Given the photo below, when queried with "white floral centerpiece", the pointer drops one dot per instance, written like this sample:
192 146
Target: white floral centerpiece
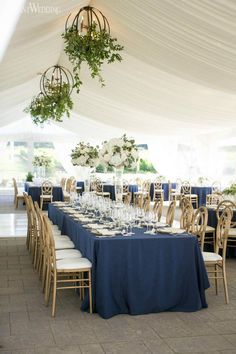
42 160
119 152
85 155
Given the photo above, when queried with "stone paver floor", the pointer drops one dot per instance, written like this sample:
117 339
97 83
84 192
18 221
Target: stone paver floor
26 326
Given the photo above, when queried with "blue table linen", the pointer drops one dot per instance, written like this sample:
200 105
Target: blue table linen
142 273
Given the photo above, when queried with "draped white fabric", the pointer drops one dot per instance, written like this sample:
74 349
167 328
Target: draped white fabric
178 74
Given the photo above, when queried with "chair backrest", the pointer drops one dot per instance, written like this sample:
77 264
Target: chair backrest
157 208
47 188
213 199
15 186
68 183
184 201
127 198
222 206
222 230
170 213
146 186
63 183
73 186
146 203
199 224
186 216
186 188
99 186
39 214
157 184
49 242
125 186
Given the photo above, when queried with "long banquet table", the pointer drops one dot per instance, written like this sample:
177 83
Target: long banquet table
139 274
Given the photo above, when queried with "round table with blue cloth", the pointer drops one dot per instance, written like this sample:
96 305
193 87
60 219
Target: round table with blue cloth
35 192
111 189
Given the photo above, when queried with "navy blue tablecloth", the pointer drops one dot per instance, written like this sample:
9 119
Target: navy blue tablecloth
201 193
35 192
81 184
165 187
142 273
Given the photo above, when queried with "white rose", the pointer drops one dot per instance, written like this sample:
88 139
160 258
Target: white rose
82 160
107 157
116 160
115 142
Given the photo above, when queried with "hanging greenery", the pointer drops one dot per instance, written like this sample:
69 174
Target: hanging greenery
53 106
95 47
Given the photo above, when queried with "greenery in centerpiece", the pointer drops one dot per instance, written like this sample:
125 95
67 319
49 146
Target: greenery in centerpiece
230 190
53 106
95 47
119 152
42 161
85 155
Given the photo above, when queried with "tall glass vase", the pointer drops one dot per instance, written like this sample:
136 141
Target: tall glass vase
87 179
119 184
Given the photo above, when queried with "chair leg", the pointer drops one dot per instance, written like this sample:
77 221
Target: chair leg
225 284
216 280
90 292
16 204
54 295
48 285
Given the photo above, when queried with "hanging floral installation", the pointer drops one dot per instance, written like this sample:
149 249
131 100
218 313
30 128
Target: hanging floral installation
88 40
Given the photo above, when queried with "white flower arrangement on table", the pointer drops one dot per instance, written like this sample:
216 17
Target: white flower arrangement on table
85 155
42 160
121 152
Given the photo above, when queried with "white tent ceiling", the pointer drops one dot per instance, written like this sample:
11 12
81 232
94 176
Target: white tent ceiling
178 74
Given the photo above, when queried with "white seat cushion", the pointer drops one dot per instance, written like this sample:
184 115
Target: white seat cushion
69 253
232 232
211 257
63 244
74 263
209 229
61 237
44 196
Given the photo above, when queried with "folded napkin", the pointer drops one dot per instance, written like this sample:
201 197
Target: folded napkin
96 226
105 232
170 230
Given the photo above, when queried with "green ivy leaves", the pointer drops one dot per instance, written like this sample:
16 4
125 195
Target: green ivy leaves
94 48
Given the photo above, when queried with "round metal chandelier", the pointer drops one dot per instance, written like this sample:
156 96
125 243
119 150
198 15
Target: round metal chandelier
86 18
56 79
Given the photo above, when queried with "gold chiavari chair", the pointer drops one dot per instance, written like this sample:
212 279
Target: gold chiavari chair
158 192
63 183
17 196
175 193
215 262
170 213
99 189
68 273
46 193
198 225
216 196
186 192
186 215
127 198
140 194
222 206
157 209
